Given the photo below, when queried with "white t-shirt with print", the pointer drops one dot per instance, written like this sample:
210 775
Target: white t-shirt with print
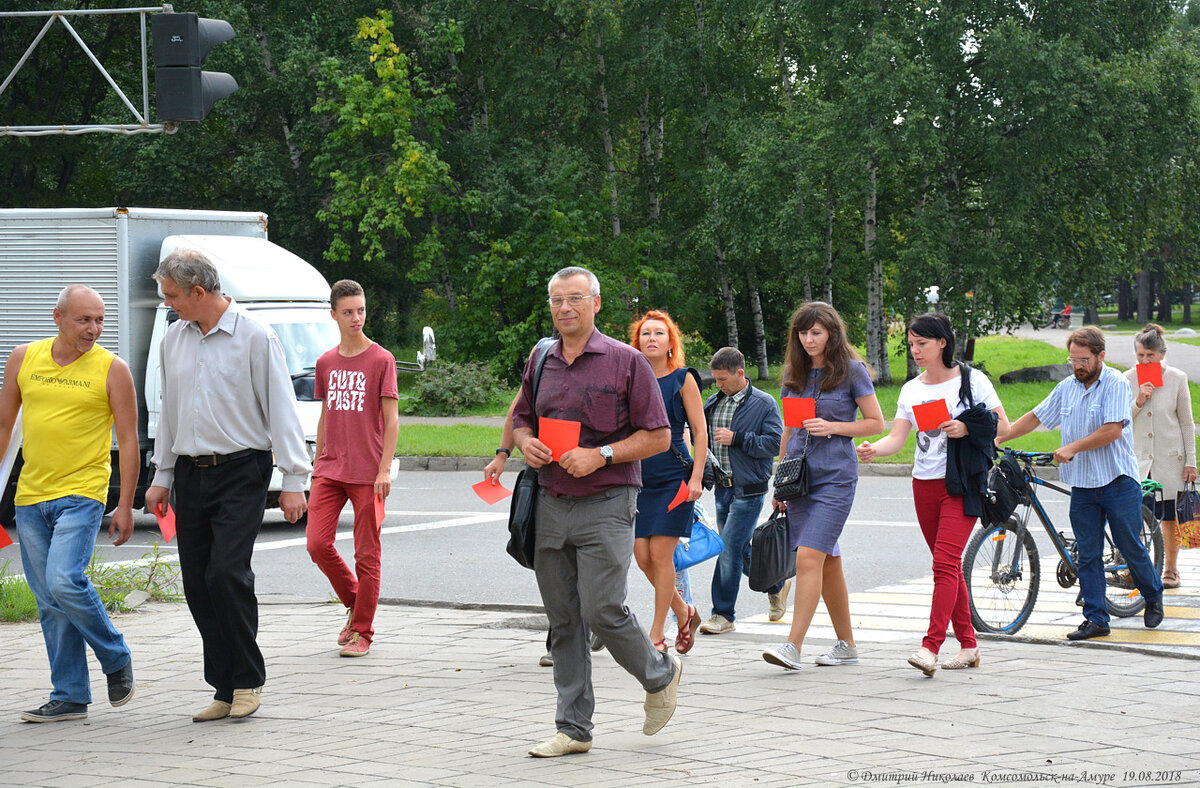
929 462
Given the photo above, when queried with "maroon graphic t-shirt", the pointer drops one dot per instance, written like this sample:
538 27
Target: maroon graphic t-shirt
351 389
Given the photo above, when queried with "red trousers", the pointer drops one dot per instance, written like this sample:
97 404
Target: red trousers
325 503
946 530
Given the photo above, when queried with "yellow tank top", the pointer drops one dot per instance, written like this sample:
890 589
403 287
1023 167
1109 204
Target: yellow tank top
67 423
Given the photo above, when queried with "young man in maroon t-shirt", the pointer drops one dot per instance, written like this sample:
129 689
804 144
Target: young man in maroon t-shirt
356 441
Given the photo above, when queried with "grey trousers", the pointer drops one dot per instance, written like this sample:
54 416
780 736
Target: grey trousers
584 546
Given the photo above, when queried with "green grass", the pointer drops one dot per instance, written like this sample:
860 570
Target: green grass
1187 340
159 578
996 354
16 600
1110 322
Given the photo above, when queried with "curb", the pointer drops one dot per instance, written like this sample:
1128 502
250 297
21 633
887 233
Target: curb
512 465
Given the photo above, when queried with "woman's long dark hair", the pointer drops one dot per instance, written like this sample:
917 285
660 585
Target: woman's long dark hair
935 325
839 353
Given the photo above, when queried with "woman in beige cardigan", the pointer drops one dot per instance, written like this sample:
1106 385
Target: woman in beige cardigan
1164 436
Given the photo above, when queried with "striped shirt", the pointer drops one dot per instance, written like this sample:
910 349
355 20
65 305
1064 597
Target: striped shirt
1081 411
722 416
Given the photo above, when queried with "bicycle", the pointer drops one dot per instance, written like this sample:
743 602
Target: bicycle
1002 568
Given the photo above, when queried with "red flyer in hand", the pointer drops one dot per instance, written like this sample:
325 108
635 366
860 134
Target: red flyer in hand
680 496
931 415
166 521
1150 373
796 410
5 541
491 491
559 435
380 509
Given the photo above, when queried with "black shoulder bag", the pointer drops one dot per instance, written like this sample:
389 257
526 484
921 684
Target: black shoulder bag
522 533
791 475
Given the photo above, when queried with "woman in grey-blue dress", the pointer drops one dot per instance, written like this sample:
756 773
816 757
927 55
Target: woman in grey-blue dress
822 365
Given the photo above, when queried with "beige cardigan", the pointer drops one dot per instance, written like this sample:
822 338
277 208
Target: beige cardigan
1164 434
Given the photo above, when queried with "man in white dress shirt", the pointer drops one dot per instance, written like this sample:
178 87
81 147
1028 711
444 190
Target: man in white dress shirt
227 405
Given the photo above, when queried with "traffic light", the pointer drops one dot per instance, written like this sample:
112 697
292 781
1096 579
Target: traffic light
181 42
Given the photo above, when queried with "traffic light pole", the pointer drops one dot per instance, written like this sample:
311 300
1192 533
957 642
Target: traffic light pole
142 126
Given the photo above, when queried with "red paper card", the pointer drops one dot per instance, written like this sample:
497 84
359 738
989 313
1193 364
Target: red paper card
559 435
931 415
1150 373
491 491
680 496
796 410
5 541
166 522
380 509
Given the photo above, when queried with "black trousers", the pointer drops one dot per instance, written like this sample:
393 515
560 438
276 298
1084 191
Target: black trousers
218 513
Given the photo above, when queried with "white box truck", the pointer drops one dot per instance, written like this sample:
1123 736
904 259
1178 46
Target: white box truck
116 251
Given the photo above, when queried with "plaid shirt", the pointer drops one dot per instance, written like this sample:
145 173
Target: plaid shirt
722 416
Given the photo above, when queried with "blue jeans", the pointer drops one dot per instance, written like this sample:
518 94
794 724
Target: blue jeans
736 519
1121 502
57 539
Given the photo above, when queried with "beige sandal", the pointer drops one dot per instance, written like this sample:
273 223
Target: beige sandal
967 658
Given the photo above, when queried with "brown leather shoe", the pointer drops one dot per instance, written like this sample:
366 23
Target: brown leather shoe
217 710
245 702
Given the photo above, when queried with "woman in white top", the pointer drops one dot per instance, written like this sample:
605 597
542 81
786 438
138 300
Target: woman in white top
945 527
1164 436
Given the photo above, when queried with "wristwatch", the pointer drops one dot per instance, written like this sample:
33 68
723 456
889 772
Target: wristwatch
507 452
606 453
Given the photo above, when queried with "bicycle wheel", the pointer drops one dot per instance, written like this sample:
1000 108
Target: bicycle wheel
1002 575
1121 596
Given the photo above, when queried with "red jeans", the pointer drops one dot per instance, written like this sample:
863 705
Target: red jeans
946 530
325 503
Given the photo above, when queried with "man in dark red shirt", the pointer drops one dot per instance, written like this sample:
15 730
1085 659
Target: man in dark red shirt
586 507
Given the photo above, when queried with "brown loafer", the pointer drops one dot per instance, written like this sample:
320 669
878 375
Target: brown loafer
1170 579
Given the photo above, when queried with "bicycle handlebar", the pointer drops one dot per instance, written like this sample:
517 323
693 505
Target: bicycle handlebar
1033 457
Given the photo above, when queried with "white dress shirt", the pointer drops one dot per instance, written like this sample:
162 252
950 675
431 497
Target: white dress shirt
227 391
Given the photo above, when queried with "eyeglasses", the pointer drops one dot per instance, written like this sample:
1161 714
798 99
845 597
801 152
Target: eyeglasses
556 302
1079 362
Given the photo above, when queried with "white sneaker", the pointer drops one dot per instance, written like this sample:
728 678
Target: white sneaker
842 653
717 625
785 656
777 603
659 706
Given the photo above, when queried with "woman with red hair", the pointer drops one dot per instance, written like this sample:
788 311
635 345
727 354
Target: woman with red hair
657 530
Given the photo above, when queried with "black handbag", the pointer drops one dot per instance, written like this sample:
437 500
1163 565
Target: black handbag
771 559
791 475
522 529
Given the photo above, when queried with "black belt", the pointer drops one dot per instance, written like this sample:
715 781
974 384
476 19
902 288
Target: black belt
755 489
213 460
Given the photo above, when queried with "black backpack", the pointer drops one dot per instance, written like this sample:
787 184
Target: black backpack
1007 489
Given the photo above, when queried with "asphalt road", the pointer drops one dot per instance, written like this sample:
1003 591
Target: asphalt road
442 544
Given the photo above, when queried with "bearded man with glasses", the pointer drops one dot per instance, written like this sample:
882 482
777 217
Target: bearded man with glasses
1097 460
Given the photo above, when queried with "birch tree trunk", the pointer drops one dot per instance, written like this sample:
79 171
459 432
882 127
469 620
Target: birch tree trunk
731 329
606 134
760 336
876 325
830 205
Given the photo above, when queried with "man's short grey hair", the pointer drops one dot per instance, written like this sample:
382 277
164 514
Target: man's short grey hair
574 270
727 359
189 268
65 294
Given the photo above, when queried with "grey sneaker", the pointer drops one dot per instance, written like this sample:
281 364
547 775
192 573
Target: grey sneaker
717 625
546 661
785 656
777 603
842 653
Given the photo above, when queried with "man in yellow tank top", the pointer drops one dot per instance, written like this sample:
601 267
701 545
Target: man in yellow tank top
74 393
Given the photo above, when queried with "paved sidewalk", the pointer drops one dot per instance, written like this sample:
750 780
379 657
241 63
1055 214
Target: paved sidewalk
1120 349
455 697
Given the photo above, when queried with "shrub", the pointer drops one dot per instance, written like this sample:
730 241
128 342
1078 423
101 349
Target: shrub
449 388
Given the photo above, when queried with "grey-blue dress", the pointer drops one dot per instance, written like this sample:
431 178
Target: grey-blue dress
816 520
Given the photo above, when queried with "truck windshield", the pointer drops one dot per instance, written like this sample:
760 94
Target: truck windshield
303 343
